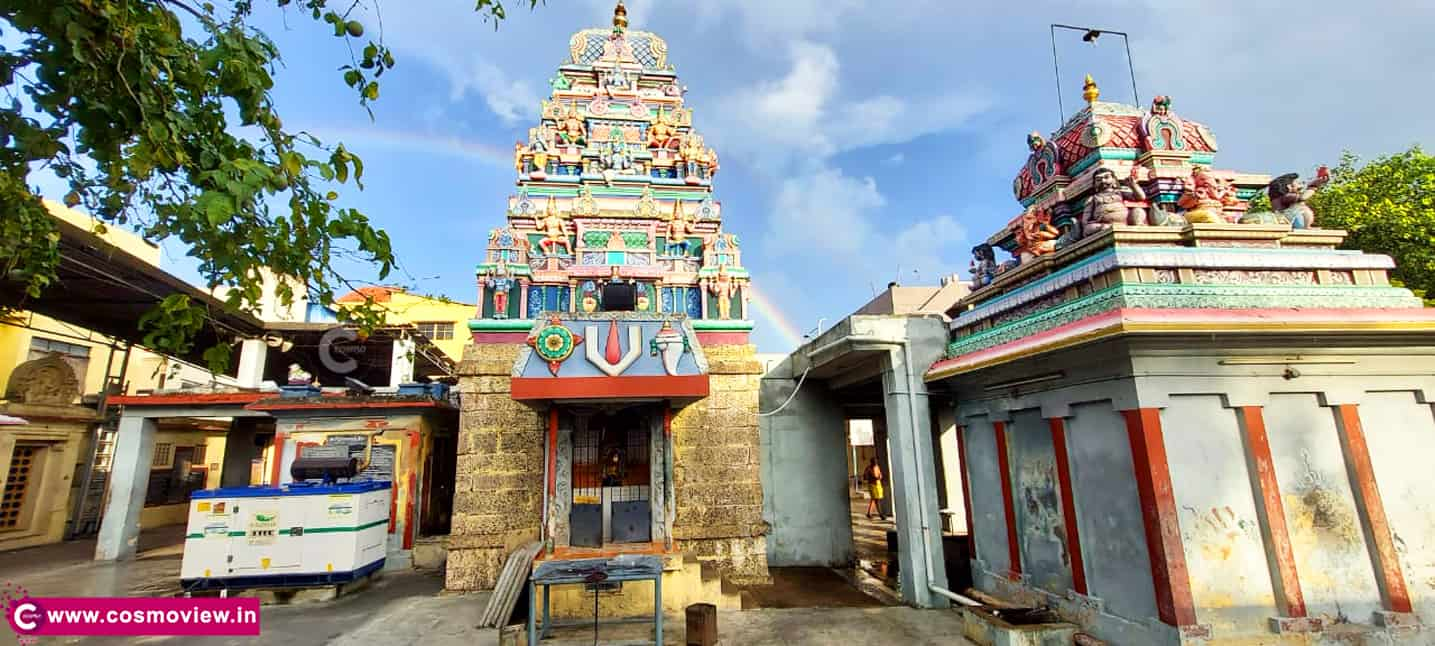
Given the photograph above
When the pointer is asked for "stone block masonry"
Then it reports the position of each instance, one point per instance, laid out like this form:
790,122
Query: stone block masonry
498,488
716,474
717,485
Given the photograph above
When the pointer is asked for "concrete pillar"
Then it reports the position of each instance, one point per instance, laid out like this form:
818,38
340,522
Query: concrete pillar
239,452
252,354
401,370
129,480
914,490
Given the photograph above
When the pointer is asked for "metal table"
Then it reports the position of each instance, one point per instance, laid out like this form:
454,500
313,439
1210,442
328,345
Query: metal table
624,567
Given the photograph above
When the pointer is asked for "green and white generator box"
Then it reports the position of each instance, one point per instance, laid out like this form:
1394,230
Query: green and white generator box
294,535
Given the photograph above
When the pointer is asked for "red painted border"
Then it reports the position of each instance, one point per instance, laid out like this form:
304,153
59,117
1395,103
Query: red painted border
1172,580
608,387
723,338
277,467
1008,504
190,399
1357,456
1068,504
499,337
341,403
966,488
413,490
552,450
1291,599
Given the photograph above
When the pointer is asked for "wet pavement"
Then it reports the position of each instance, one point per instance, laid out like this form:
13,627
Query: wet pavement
869,540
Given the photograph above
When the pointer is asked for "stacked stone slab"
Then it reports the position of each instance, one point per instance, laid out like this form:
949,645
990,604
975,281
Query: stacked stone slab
498,490
716,477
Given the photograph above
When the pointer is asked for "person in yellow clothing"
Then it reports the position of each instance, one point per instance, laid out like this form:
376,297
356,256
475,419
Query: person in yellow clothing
873,477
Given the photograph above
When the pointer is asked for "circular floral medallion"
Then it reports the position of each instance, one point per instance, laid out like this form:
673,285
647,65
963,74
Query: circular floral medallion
554,343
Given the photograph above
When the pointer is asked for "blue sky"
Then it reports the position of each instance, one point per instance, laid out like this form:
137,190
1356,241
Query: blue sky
861,142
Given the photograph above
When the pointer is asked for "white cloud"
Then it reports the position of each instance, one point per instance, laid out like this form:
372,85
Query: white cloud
826,216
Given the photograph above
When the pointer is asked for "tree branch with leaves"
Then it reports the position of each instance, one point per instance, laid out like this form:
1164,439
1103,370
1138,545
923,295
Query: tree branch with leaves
129,102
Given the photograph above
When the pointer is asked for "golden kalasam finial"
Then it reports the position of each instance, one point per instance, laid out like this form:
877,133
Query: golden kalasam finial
1089,91
620,16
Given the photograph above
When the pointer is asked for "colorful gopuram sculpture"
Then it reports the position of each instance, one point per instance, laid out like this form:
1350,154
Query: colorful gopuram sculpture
614,184
1114,164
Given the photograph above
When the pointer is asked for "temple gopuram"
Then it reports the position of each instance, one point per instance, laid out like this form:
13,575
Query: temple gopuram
610,392
1184,420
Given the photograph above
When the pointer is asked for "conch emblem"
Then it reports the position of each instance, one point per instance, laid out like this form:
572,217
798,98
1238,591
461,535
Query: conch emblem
671,344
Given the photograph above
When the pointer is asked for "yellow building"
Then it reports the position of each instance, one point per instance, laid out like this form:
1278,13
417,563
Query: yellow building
444,322
43,461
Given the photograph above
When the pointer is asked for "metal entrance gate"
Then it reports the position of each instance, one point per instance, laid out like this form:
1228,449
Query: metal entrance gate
611,479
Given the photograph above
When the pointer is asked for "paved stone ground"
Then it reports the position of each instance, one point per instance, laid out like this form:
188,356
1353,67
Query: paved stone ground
411,608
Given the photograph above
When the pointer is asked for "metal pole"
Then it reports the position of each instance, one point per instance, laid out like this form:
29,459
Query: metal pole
1132,68
1060,109
1130,64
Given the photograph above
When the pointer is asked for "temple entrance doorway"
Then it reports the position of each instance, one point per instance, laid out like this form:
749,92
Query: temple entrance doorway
612,476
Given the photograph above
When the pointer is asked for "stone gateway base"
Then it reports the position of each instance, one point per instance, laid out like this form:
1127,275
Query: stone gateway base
499,488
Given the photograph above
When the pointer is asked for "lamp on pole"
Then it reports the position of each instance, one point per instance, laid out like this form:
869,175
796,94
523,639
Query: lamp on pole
1089,34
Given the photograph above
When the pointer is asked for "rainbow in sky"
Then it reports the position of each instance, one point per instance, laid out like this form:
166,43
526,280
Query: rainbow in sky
772,315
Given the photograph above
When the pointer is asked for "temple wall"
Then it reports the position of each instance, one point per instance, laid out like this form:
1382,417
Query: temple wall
717,479
1040,529
1219,572
498,494
498,488
806,499
1400,429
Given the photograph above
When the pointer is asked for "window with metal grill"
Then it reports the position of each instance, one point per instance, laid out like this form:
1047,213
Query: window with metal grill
17,485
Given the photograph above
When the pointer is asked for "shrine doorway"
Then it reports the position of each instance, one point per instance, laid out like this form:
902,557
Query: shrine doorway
613,476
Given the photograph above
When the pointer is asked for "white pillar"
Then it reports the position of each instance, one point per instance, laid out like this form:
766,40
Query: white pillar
252,353
129,480
401,371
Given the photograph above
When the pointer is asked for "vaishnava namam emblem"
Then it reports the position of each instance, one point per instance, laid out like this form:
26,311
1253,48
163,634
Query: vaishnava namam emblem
555,343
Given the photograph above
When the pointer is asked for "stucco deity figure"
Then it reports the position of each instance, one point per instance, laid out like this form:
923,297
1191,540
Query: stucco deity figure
518,153
1288,197
712,162
571,130
723,288
501,284
1112,203
555,232
1034,235
694,157
1205,197
1035,141
984,265
540,141
616,80
662,134
618,157
680,226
